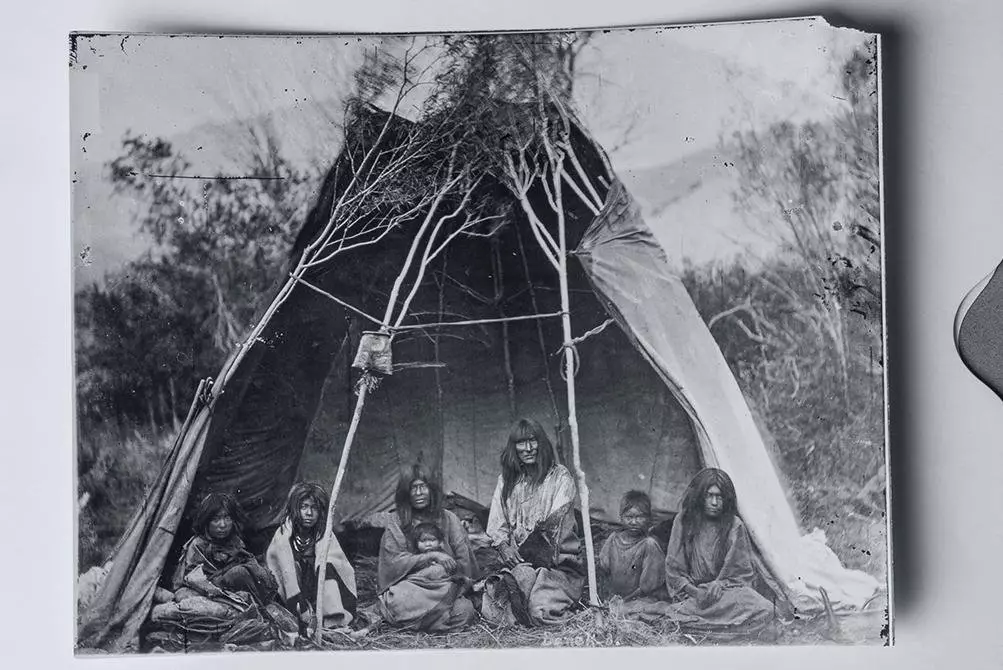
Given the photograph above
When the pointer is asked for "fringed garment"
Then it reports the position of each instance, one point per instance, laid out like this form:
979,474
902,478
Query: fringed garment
540,522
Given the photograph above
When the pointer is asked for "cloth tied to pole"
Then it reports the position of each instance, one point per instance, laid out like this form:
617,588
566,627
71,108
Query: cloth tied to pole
375,353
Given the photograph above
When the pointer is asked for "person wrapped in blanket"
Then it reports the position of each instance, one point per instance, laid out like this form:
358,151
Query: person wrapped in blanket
293,557
218,580
532,528
438,579
721,587
423,587
631,563
216,563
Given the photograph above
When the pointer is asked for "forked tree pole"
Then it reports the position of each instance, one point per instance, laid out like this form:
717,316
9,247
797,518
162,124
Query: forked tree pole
329,523
569,368
365,382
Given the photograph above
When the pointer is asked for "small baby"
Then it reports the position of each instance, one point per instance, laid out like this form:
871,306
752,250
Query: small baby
429,539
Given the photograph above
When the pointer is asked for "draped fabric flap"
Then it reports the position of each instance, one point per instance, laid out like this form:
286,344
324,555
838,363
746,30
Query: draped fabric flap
248,441
113,619
631,274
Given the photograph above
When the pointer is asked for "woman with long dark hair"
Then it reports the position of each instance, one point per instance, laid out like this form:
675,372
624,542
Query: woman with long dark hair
215,560
713,570
220,592
293,559
408,597
532,526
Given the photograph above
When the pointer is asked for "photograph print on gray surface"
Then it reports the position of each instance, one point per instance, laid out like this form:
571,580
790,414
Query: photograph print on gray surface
479,340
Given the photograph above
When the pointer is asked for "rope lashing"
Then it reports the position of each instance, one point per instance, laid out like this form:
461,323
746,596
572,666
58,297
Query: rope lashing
203,394
584,336
573,346
595,331
576,362
367,382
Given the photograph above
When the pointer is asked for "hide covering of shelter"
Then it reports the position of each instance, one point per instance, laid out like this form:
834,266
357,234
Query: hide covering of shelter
656,399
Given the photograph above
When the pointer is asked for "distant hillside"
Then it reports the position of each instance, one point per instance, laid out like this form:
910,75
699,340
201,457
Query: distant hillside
687,203
690,208
682,99
660,187
309,134
678,99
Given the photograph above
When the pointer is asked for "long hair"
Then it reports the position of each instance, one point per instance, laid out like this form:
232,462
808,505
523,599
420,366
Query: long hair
402,497
513,468
211,505
307,491
692,512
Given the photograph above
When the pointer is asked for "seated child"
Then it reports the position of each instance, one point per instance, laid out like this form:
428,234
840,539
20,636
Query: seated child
631,562
216,563
293,559
217,580
431,597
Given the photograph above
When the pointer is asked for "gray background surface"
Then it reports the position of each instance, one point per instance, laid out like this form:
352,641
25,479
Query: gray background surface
944,151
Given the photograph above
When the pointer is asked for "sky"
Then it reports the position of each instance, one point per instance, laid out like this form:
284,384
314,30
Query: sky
690,84
678,90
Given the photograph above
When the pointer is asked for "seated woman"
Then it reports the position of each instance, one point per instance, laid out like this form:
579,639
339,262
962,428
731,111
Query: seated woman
631,562
436,578
216,563
293,559
712,570
532,527
217,580
432,609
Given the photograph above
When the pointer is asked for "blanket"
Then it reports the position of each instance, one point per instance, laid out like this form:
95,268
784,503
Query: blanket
340,593
428,599
530,596
397,558
750,600
540,522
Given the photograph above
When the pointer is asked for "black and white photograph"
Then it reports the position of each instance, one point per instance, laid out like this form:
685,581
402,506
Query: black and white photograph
479,340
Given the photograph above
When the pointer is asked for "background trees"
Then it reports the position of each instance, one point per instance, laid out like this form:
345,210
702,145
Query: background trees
803,328
152,330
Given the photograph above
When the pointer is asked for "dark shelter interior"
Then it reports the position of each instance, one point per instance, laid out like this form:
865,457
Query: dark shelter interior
455,389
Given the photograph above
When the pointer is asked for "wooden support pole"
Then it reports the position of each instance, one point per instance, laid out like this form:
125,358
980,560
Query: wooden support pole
329,523
569,367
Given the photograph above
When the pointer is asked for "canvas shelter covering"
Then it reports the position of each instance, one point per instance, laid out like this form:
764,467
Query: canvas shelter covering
656,400
629,270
